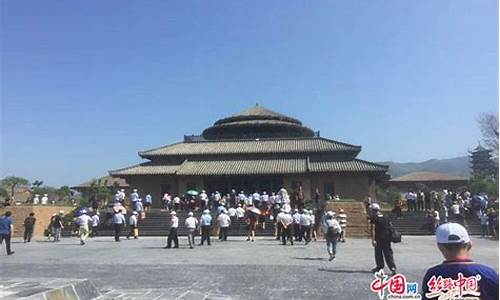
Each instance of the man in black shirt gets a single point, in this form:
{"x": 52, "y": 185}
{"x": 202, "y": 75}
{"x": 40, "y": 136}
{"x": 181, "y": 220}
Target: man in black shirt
{"x": 57, "y": 225}
{"x": 29, "y": 225}
{"x": 380, "y": 230}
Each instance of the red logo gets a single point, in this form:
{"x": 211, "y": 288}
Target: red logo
{"x": 395, "y": 286}
{"x": 448, "y": 288}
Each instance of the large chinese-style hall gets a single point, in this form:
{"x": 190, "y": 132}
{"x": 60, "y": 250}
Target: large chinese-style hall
{"x": 255, "y": 150}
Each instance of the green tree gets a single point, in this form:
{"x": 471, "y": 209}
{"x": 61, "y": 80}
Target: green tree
{"x": 4, "y": 193}
{"x": 487, "y": 185}
{"x": 64, "y": 193}
{"x": 100, "y": 190}
{"x": 11, "y": 182}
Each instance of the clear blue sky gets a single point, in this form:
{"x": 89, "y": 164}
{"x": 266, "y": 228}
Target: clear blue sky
{"x": 87, "y": 84}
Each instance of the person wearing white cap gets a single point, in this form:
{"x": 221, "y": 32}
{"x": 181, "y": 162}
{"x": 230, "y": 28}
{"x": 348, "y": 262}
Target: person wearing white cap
{"x": 454, "y": 243}
{"x": 134, "y": 230}
{"x": 172, "y": 236}
{"x": 57, "y": 225}
{"x": 224, "y": 221}
{"x": 45, "y": 199}
{"x": 191, "y": 224}
{"x": 36, "y": 199}
{"x": 333, "y": 230}
{"x": 380, "y": 231}
{"x": 83, "y": 226}
{"x": 118, "y": 223}
{"x": 133, "y": 197}
{"x": 206, "y": 223}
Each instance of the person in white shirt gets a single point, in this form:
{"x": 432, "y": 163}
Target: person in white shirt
{"x": 436, "y": 219}
{"x": 249, "y": 200}
{"x": 264, "y": 199}
{"x": 224, "y": 222}
{"x": 191, "y": 224}
{"x": 305, "y": 226}
{"x": 242, "y": 198}
{"x": 333, "y": 230}
{"x": 45, "y": 199}
{"x": 116, "y": 197}
{"x": 165, "y": 201}
{"x": 134, "y": 196}
{"x": 83, "y": 226}
{"x": 231, "y": 212}
{"x": 36, "y": 200}
{"x": 203, "y": 200}
{"x": 121, "y": 197}
{"x": 296, "y": 225}
{"x": 485, "y": 222}
{"x": 240, "y": 212}
{"x": 95, "y": 223}
{"x": 132, "y": 221}
{"x": 118, "y": 222}
{"x": 313, "y": 225}
{"x": 285, "y": 221}
{"x": 177, "y": 202}
{"x": 272, "y": 199}
{"x": 342, "y": 219}
{"x": 172, "y": 236}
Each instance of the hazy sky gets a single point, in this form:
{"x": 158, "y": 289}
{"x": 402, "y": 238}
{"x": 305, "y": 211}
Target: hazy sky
{"x": 87, "y": 84}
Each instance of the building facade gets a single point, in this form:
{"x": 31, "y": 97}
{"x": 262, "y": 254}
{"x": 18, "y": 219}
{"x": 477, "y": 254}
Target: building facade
{"x": 255, "y": 150}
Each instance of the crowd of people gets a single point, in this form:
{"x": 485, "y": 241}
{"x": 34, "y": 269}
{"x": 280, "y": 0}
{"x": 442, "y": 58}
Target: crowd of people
{"x": 294, "y": 224}
{"x": 448, "y": 206}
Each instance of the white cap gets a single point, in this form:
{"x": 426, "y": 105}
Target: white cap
{"x": 190, "y": 213}
{"x": 135, "y": 190}
{"x": 206, "y": 211}
{"x": 330, "y": 213}
{"x": 375, "y": 206}
{"x": 452, "y": 233}
{"x": 61, "y": 212}
{"x": 173, "y": 213}
{"x": 134, "y": 213}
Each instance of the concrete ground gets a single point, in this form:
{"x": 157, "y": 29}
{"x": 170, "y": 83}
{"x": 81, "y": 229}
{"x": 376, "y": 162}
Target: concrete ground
{"x": 236, "y": 269}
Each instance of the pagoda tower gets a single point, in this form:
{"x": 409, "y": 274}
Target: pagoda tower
{"x": 481, "y": 162}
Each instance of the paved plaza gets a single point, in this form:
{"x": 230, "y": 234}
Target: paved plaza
{"x": 236, "y": 269}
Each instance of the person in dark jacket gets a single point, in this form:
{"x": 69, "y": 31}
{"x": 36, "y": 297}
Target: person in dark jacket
{"x": 380, "y": 230}
{"x": 29, "y": 226}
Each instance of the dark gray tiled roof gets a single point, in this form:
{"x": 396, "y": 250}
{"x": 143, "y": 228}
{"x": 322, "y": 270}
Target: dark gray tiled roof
{"x": 243, "y": 167}
{"x": 356, "y": 165}
{"x": 146, "y": 169}
{"x": 291, "y": 145}
{"x": 250, "y": 167}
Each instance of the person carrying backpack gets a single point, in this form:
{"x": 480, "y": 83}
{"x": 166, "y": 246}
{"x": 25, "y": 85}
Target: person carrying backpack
{"x": 333, "y": 230}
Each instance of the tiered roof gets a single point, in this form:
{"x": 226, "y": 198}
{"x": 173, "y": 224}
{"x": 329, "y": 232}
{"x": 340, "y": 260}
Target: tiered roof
{"x": 254, "y": 142}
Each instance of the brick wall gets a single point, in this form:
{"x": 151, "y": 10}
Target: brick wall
{"x": 42, "y": 215}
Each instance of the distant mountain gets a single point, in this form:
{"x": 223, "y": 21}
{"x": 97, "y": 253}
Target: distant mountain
{"x": 454, "y": 166}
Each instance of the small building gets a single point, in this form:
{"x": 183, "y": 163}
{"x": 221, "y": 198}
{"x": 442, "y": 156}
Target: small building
{"x": 111, "y": 182}
{"x": 431, "y": 180}
{"x": 255, "y": 150}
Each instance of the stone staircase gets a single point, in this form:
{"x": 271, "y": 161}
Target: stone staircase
{"x": 357, "y": 221}
{"x": 157, "y": 223}
{"x": 416, "y": 223}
